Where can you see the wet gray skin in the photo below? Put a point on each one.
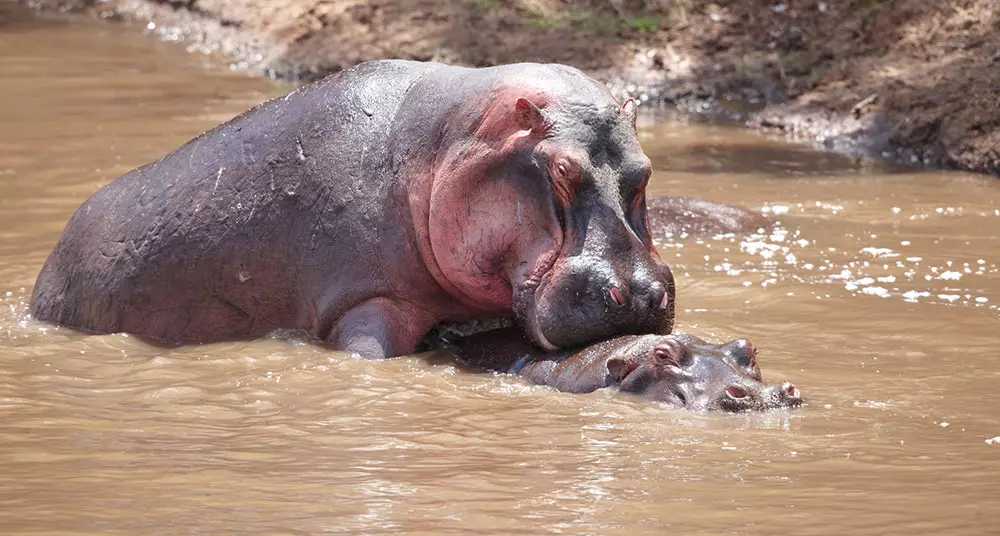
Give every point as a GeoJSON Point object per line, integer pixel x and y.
{"type": "Point", "coordinates": [370, 206]}
{"type": "Point", "coordinates": [680, 371]}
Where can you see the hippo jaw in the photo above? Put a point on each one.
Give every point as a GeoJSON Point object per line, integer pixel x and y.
{"type": "Point", "coordinates": [526, 305]}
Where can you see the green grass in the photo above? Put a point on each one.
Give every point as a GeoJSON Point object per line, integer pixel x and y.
{"type": "Point", "coordinates": [643, 24]}
{"type": "Point", "coordinates": [544, 24]}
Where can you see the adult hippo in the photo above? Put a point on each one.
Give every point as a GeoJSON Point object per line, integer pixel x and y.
{"type": "Point", "coordinates": [373, 204]}
{"type": "Point", "coordinates": [681, 370]}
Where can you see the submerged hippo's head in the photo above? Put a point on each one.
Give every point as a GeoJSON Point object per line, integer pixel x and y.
{"type": "Point", "coordinates": [685, 371]}
{"type": "Point", "coordinates": [548, 217]}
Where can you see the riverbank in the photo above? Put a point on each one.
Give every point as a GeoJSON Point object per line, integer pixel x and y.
{"type": "Point", "coordinates": [906, 80]}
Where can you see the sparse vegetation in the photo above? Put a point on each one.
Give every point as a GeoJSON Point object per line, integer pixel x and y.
{"type": "Point", "coordinates": [935, 65]}
{"type": "Point", "coordinates": [646, 23]}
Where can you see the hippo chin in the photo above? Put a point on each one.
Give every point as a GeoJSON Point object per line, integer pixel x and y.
{"type": "Point", "coordinates": [677, 370]}
{"type": "Point", "coordinates": [373, 204]}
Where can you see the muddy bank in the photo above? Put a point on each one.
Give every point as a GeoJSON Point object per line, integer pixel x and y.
{"type": "Point", "coordinates": [907, 80]}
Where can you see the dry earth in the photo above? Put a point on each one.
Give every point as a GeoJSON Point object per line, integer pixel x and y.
{"type": "Point", "coordinates": [911, 80]}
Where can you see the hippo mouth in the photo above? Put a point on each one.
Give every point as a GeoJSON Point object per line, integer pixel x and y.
{"type": "Point", "coordinates": [526, 305]}
{"type": "Point", "coordinates": [531, 325]}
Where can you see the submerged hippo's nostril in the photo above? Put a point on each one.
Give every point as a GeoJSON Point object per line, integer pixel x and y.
{"type": "Point", "coordinates": [617, 297]}
{"type": "Point", "coordinates": [790, 391]}
{"type": "Point", "coordinates": [737, 392]}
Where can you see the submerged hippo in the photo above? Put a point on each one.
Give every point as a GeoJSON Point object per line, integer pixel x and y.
{"type": "Point", "coordinates": [371, 205]}
{"type": "Point", "coordinates": [677, 216]}
{"type": "Point", "coordinates": [678, 370]}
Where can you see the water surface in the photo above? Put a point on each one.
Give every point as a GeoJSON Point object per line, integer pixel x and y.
{"type": "Point", "coordinates": [877, 295]}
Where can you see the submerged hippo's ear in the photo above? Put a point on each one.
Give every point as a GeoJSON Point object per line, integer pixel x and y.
{"type": "Point", "coordinates": [619, 368]}
{"type": "Point", "coordinates": [751, 352]}
{"type": "Point", "coordinates": [743, 354]}
{"type": "Point", "coordinates": [530, 117]}
{"type": "Point", "coordinates": [629, 111]}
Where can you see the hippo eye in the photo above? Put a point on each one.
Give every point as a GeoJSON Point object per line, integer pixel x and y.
{"type": "Point", "coordinates": [737, 392]}
{"type": "Point", "coordinates": [668, 353]}
{"type": "Point", "coordinates": [565, 186]}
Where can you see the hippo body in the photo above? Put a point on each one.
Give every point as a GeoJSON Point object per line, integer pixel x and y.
{"type": "Point", "coordinates": [373, 204]}
{"type": "Point", "coordinates": [677, 370]}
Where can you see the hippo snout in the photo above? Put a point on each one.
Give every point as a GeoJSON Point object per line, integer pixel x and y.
{"type": "Point", "coordinates": [587, 298]}
{"type": "Point", "coordinates": [644, 294]}
{"type": "Point", "coordinates": [750, 395]}
{"type": "Point", "coordinates": [787, 396]}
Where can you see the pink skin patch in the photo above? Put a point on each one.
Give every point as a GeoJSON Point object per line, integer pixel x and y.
{"type": "Point", "coordinates": [487, 238]}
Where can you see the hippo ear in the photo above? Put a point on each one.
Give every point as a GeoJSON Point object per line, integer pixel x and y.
{"type": "Point", "coordinates": [743, 354]}
{"type": "Point", "coordinates": [619, 367]}
{"type": "Point", "coordinates": [530, 117]}
{"type": "Point", "coordinates": [629, 111]}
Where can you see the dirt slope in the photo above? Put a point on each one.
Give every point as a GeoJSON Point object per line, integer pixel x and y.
{"type": "Point", "coordinates": [911, 80]}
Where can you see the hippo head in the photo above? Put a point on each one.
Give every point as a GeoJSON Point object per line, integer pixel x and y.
{"type": "Point", "coordinates": [552, 215]}
{"type": "Point", "coordinates": [685, 371]}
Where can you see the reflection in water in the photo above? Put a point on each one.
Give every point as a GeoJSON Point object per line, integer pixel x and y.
{"type": "Point", "coordinates": [877, 293]}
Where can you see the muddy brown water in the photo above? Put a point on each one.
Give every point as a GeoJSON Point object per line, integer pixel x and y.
{"type": "Point", "coordinates": [877, 295]}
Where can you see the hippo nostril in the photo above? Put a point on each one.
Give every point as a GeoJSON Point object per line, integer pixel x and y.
{"type": "Point", "coordinates": [658, 295]}
{"type": "Point", "coordinates": [737, 392]}
{"type": "Point", "coordinates": [617, 296]}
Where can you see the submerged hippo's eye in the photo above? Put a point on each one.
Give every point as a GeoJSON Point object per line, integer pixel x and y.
{"type": "Point", "coordinates": [668, 353]}
{"type": "Point", "coordinates": [561, 171]}
{"type": "Point", "coordinates": [737, 392]}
